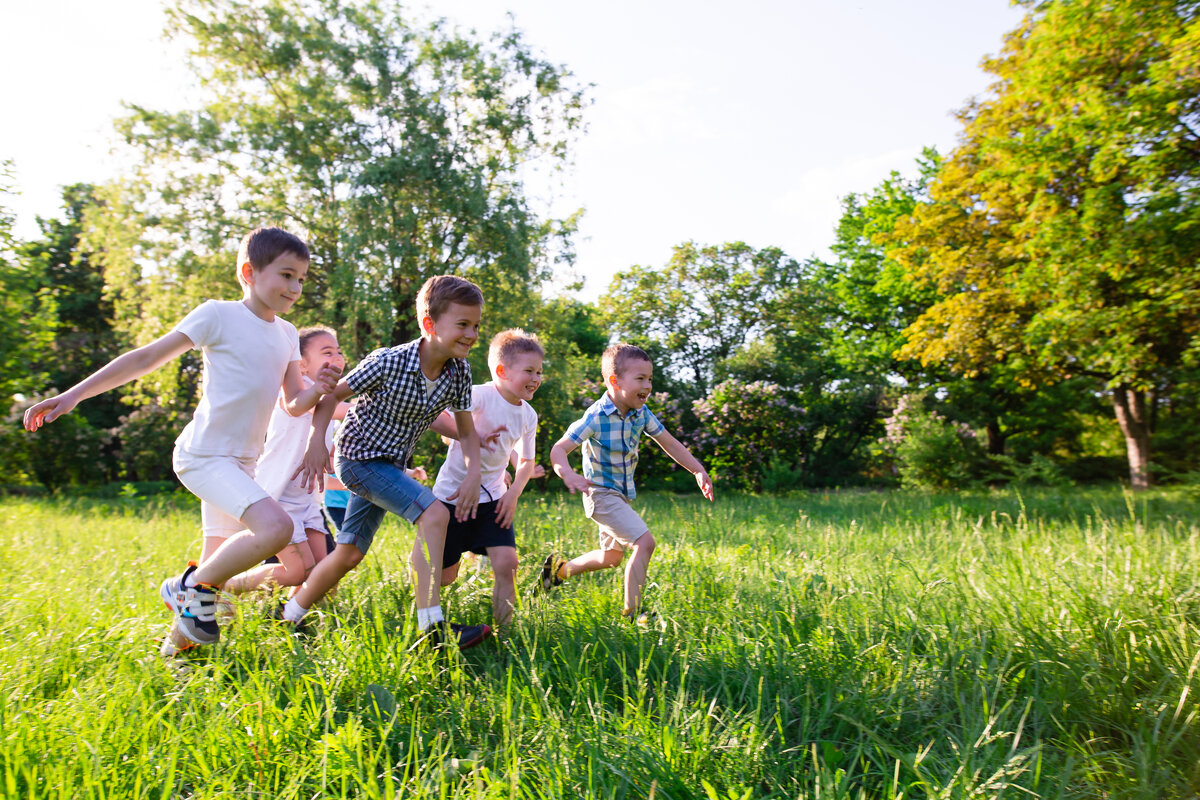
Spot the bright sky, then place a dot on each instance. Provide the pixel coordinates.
(714, 122)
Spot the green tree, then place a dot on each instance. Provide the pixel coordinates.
(400, 151)
(1064, 231)
(704, 306)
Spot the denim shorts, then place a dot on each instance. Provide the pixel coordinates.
(378, 486)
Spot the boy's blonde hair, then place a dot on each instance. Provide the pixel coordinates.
(440, 291)
(307, 334)
(507, 345)
(616, 359)
(261, 246)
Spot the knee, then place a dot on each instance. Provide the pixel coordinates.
(436, 517)
(646, 543)
(348, 557)
(613, 558)
(504, 566)
(449, 575)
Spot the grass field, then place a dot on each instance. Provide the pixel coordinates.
(824, 646)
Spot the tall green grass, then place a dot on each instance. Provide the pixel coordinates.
(825, 646)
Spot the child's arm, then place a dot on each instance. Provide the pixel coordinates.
(562, 467)
(298, 399)
(311, 471)
(506, 508)
(466, 496)
(121, 370)
(445, 427)
(675, 449)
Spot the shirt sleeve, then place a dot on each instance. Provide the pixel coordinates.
(582, 429)
(527, 447)
(294, 338)
(653, 426)
(462, 398)
(369, 372)
(201, 325)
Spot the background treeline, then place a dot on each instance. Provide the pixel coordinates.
(1022, 309)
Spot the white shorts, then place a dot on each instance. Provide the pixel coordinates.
(225, 486)
(620, 526)
(305, 513)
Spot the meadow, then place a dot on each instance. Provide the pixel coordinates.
(839, 645)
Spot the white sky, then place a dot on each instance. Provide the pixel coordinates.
(712, 121)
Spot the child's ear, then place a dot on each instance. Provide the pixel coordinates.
(499, 370)
(247, 270)
(427, 324)
(612, 379)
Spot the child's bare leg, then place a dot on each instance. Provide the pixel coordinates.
(504, 587)
(295, 562)
(269, 529)
(327, 573)
(635, 570)
(592, 561)
(427, 552)
(450, 574)
(316, 545)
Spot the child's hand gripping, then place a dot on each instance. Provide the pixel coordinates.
(327, 378)
(466, 500)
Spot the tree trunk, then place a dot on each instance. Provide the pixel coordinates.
(995, 438)
(1130, 407)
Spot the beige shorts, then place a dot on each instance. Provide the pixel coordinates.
(620, 526)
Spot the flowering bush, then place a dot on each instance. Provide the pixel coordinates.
(748, 430)
(929, 450)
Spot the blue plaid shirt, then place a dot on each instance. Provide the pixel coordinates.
(392, 411)
(610, 443)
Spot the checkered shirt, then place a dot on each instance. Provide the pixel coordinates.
(392, 412)
(610, 443)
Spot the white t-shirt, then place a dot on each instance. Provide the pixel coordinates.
(245, 358)
(287, 439)
(490, 410)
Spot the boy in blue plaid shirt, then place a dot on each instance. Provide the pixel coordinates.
(402, 390)
(609, 433)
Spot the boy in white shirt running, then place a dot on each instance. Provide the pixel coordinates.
(501, 408)
(249, 353)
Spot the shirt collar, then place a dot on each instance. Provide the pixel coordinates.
(412, 361)
(607, 406)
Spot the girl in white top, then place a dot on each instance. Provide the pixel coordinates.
(287, 438)
(249, 353)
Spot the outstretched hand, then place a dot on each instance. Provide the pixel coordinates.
(705, 484)
(48, 410)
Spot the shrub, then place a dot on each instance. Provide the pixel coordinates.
(749, 431)
(930, 451)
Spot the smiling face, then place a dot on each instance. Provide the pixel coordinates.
(276, 287)
(454, 332)
(320, 349)
(519, 379)
(631, 387)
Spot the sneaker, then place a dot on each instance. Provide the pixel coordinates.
(195, 607)
(643, 619)
(550, 568)
(438, 635)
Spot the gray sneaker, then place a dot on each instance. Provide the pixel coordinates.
(194, 607)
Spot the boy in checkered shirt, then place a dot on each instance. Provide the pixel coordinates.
(402, 390)
(609, 433)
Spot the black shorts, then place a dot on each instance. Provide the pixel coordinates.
(475, 535)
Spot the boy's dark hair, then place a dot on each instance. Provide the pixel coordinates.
(511, 343)
(440, 291)
(617, 357)
(307, 334)
(261, 246)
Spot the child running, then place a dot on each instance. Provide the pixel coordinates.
(402, 390)
(609, 432)
(287, 438)
(249, 352)
(500, 406)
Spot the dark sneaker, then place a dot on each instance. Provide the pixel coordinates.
(195, 607)
(550, 569)
(443, 633)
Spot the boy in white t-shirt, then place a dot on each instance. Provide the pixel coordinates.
(249, 353)
(501, 411)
